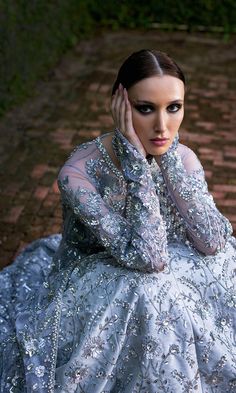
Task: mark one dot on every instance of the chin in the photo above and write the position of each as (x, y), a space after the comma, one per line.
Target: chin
(157, 151)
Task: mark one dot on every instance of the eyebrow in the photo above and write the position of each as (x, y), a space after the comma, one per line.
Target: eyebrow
(177, 100)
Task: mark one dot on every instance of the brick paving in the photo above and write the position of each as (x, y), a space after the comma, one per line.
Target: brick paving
(72, 106)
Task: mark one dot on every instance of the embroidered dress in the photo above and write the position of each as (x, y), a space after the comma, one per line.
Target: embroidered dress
(138, 292)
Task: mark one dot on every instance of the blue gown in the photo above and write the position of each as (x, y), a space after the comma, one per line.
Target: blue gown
(138, 292)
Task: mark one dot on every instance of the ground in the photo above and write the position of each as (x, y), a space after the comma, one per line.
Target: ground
(72, 106)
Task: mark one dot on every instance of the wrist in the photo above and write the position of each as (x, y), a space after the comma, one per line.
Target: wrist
(132, 139)
(134, 165)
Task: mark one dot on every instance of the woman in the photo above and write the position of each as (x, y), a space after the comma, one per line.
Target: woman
(138, 294)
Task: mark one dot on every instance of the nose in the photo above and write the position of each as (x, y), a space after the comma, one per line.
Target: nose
(160, 122)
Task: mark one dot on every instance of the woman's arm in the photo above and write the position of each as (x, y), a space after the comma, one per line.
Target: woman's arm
(138, 239)
(207, 228)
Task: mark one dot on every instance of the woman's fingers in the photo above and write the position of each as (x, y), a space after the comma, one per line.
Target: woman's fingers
(122, 115)
(128, 114)
(118, 109)
(114, 107)
(119, 104)
(121, 111)
(115, 98)
(113, 103)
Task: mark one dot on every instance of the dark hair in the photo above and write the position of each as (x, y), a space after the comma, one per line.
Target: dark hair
(143, 64)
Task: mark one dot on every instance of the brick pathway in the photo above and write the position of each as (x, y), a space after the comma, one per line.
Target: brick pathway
(72, 106)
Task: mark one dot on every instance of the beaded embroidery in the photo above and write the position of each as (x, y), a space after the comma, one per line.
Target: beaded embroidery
(90, 311)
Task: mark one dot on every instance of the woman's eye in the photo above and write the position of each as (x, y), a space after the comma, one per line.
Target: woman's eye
(174, 107)
(145, 109)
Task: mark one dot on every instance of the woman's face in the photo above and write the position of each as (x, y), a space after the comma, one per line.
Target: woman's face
(157, 110)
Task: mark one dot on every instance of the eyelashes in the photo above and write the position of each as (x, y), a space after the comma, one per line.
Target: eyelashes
(174, 107)
(144, 109)
(147, 109)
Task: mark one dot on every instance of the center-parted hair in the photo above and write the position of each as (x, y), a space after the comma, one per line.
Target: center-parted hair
(144, 64)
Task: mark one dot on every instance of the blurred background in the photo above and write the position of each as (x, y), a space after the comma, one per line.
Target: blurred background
(58, 60)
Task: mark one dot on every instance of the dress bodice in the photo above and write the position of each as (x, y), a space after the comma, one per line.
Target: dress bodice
(96, 195)
(113, 188)
(101, 312)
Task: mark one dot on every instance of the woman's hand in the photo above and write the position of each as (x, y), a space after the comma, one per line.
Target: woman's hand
(122, 116)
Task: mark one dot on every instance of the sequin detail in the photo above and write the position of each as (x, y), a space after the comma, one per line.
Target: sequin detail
(136, 295)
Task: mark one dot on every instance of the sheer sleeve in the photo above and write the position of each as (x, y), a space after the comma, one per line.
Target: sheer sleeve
(136, 239)
(207, 228)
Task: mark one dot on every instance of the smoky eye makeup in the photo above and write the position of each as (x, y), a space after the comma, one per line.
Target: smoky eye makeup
(145, 109)
(175, 107)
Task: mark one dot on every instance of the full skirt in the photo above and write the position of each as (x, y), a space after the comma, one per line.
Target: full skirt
(97, 327)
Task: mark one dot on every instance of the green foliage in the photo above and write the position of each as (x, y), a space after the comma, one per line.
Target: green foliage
(192, 13)
(34, 34)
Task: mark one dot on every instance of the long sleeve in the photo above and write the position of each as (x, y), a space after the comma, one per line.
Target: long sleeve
(184, 176)
(136, 239)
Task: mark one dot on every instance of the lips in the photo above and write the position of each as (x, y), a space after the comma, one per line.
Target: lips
(159, 139)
